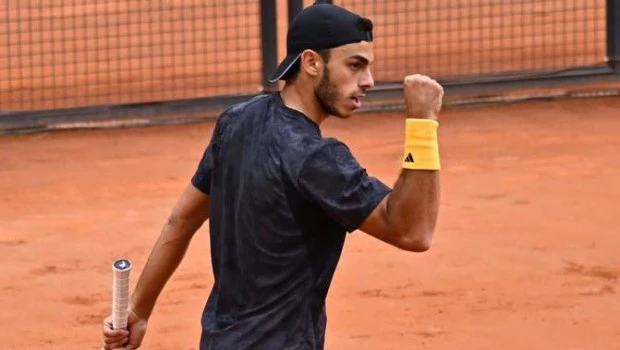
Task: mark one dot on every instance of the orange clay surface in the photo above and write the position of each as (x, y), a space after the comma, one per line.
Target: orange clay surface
(525, 256)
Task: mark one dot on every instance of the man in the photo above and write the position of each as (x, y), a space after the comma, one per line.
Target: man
(281, 198)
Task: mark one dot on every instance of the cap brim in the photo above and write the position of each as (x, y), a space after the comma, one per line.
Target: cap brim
(284, 66)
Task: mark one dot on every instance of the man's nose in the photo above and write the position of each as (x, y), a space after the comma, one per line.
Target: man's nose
(367, 80)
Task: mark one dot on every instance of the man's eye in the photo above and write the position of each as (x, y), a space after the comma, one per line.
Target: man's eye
(355, 66)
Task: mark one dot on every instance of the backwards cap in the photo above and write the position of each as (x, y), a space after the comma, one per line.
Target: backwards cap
(321, 26)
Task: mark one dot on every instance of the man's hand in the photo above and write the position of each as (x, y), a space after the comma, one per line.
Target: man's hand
(121, 339)
(423, 97)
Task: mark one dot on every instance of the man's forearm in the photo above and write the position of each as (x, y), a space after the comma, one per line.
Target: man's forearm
(165, 257)
(413, 207)
(190, 212)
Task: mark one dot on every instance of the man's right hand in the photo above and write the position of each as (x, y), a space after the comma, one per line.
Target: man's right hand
(121, 339)
(423, 97)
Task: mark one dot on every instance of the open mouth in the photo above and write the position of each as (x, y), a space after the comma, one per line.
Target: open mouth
(357, 101)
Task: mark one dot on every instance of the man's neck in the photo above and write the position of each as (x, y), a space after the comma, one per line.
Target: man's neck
(302, 100)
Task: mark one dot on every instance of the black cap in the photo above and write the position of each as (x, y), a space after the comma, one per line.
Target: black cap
(321, 26)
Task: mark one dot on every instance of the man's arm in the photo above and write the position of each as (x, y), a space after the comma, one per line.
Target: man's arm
(187, 216)
(406, 217)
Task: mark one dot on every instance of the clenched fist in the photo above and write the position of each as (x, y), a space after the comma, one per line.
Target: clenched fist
(423, 97)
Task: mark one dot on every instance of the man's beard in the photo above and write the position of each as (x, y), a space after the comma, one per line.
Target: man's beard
(327, 95)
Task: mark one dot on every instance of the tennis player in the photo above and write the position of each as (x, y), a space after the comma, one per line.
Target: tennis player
(281, 198)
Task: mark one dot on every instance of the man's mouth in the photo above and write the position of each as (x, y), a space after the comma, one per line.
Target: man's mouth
(357, 101)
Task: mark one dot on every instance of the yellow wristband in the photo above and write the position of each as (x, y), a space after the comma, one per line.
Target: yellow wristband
(421, 146)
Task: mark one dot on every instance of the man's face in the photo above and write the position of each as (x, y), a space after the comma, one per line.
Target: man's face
(345, 79)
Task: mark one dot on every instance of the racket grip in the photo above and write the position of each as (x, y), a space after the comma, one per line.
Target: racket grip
(120, 293)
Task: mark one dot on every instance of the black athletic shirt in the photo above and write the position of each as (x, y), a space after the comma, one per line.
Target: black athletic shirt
(282, 199)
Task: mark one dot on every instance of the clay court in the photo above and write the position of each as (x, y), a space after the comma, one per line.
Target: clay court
(525, 255)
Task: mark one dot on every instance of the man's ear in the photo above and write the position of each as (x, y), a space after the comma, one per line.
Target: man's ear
(310, 63)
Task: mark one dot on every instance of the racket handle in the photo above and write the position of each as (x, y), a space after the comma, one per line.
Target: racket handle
(120, 293)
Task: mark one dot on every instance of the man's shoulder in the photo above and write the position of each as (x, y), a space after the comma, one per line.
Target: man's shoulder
(235, 113)
(253, 103)
(316, 150)
(328, 144)
(330, 150)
